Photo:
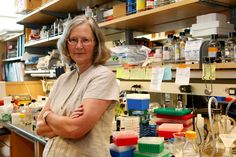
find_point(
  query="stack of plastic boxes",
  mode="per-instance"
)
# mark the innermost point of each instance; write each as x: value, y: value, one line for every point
x: 123, y: 143
x: 138, y: 105
x: 213, y: 23
x: 171, y: 120
x: 151, y: 147
x: 128, y: 123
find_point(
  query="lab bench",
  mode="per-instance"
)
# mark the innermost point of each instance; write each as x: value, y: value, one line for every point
x: 22, y: 141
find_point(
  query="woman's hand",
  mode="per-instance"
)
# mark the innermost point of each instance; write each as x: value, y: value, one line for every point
x: 44, y: 130
x: 77, y: 112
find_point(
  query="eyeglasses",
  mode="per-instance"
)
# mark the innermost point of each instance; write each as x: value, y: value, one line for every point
x: 84, y: 41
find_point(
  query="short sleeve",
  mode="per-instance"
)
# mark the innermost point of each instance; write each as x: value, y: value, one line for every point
x: 103, y: 86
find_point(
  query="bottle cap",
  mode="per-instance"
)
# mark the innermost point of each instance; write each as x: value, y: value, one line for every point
x: 182, y: 34
x: 232, y: 34
x: 191, y: 135
x: 214, y: 36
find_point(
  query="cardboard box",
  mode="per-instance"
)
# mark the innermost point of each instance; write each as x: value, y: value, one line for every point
x: 119, y: 10
x: 27, y: 5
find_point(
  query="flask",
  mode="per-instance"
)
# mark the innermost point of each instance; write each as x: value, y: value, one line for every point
x: 191, y: 148
x: 230, y: 47
x: 214, y: 48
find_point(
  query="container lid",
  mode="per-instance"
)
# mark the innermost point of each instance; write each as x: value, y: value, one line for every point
x: 138, y: 96
x: 191, y: 135
x: 151, y: 140
x: 170, y: 127
x: 124, y: 134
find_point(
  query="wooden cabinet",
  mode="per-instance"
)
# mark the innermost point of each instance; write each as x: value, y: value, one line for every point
x: 33, y: 88
x: 23, y: 147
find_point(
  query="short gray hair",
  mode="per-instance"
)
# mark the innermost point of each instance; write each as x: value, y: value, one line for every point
x: 101, y: 52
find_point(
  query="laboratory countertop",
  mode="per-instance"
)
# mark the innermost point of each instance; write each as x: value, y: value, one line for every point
x: 25, y: 131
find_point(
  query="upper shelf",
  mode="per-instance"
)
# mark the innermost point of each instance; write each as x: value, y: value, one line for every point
x: 169, y: 17
x: 57, y: 6
x: 43, y: 42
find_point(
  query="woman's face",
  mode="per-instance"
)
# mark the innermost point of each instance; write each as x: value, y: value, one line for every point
x: 81, y: 45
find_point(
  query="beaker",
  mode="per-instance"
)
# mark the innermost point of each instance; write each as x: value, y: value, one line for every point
x: 179, y: 140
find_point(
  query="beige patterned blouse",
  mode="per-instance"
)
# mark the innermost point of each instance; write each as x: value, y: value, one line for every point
x: 70, y: 89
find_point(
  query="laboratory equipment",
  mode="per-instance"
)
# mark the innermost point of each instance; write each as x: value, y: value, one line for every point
x: 228, y: 140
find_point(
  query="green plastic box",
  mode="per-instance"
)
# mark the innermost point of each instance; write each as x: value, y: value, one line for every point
x: 172, y: 111
x: 165, y: 153
x: 151, y: 144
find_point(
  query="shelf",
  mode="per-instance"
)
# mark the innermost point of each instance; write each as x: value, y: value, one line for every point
x: 169, y: 17
x: 57, y: 6
x: 14, y: 37
x: 230, y: 65
x: 171, y: 87
x: 41, y: 73
x: 12, y: 59
x: 43, y: 42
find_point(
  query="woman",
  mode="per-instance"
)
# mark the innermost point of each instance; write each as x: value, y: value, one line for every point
x: 76, y: 131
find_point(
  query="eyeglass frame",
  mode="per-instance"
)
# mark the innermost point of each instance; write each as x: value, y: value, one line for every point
x: 84, y: 41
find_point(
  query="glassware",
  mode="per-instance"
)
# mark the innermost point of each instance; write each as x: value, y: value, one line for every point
x: 178, y: 144
x: 183, y: 40
x: 168, y: 48
x: 228, y: 140
x: 214, y: 48
x: 230, y: 45
x: 213, y: 146
x: 191, y: 148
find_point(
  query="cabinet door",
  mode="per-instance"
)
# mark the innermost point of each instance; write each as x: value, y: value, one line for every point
x: 21, y: 147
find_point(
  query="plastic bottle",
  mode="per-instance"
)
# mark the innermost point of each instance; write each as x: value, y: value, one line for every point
x: 214, y: 48
x: 191, y: 148
x: 230, y: 47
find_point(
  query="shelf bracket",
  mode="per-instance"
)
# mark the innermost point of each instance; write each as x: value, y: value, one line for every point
x: 54, y: 14
x: 233, y: 17
x: 129, y: 37
x: 217, y: 3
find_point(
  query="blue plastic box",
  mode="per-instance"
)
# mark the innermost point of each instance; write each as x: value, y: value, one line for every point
x: 128, y: 153
x: 138, y: 104
x: 138, y: 101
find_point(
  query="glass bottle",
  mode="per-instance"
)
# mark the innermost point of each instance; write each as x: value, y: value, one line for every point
x: 230, y: 47
x: 191, y: 148
x: 88, y: 12
x: 182, y: 43
x: 177, y: 48
x: 168, y: 48
x: 214, y: 48
x: 149, y: 4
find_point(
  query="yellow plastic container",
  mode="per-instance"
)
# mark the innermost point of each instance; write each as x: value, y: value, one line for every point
x: 140, y: 5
